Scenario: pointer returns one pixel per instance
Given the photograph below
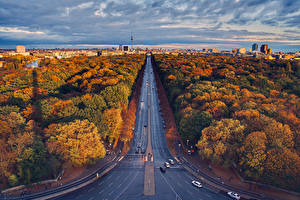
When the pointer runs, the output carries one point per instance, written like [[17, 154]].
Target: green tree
[[13, 180], [33, 165], [191, 127]]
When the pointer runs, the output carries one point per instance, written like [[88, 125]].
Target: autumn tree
[[112, 122], [77, 142], [253, 154], [282, 168], [220, 141]]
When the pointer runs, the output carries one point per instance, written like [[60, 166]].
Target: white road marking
[[170, 186], [100, 191]]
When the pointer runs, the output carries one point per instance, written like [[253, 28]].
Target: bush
[[13, 180]]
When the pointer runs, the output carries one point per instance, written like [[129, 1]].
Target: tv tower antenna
[[131, 38]]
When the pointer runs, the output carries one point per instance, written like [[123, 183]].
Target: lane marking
[[100, 191], [127, 186], [91, 189], [177, 195]]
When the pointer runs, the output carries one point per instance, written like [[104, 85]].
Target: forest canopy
[[62, 114], [242, 112]]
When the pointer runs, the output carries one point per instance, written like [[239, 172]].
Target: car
[[167, 165], [197, 184], [137, 150], [234, 195], [171, 162], [162, 169]]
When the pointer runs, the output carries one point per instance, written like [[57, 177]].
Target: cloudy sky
[[224, 24]]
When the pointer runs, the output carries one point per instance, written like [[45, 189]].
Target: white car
[[234, 195], [167, 165], [197, 184], [171, 162]]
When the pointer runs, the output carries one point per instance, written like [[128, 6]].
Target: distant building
[[125, 48], [264, 48], [214, 50], [242, 50], [20, 49], [269, 57], [269, 51], [254, 47], [120, 47]]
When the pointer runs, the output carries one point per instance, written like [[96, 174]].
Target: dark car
[[162, 169]]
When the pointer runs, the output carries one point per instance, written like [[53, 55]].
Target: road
[[126, 180]]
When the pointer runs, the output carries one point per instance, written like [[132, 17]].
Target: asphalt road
[[126, 180]]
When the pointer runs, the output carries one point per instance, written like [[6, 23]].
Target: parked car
[[167, 165], [162, 169], [234, 195], [197, 184], [171, 162]]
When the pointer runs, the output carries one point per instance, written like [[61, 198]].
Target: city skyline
[[167, 24]]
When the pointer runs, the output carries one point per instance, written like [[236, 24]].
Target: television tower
[[131, 38]]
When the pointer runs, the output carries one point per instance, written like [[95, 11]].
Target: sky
[[223, 24]]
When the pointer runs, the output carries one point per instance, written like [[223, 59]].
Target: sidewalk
[[229, 177], [70, 175]]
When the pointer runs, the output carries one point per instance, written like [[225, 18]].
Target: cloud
[[17, 30], [151, 21]]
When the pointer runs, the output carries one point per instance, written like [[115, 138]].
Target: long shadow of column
[[37, 115]]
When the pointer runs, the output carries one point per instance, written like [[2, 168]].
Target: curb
[[72, 186], [79, 186]]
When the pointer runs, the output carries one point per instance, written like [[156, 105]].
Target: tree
[[253, 155], [191, 126], [279, 135], [219, 141], [33, 165], [282, 168], [13, 180], [112, 124], [78, 142]]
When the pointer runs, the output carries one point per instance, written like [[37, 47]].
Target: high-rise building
[[20, 49], [264, 48], [125, 48], [254, 47]]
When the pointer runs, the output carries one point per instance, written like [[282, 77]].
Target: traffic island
[[149, 184]]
